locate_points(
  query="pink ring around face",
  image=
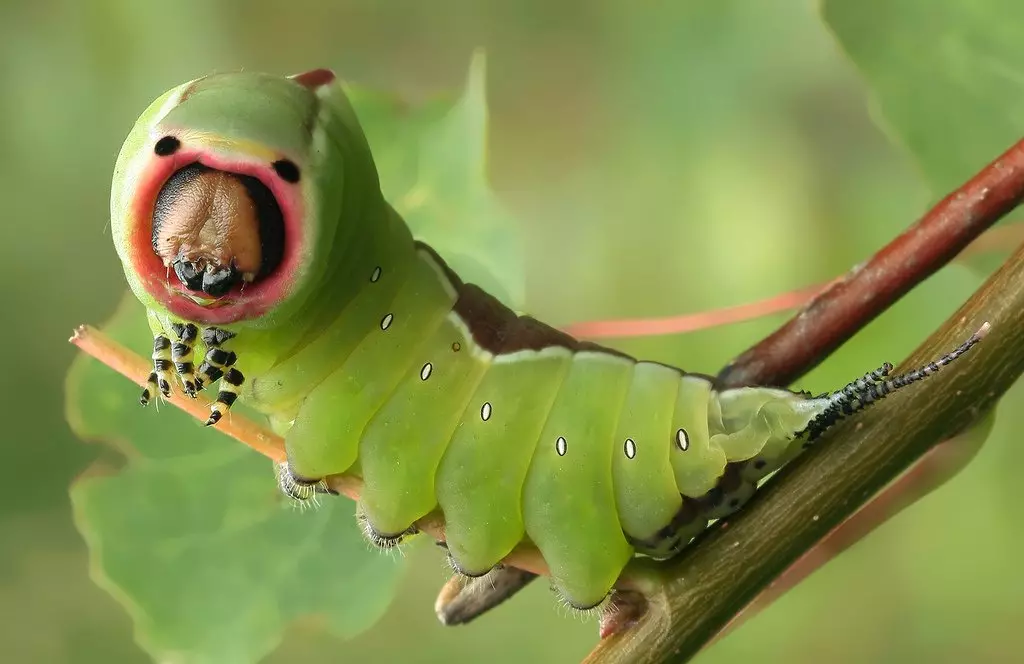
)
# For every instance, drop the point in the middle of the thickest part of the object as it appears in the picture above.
(251, 301)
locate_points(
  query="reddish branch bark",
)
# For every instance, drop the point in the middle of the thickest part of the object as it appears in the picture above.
(850, 303)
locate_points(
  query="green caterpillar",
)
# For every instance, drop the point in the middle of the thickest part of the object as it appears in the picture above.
(248, 216)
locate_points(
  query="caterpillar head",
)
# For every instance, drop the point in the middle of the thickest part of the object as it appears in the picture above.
(221, 190)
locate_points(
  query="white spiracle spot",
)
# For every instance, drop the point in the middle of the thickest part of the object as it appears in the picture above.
(376, 274)
(386, 322)
(682, 440)
(629, 447)
(425, 371)
(485, 411)
(561, 446)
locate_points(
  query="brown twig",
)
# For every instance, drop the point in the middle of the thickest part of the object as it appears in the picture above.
(938, 466)
(839, 311)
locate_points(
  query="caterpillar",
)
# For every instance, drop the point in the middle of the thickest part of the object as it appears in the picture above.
(248, 216)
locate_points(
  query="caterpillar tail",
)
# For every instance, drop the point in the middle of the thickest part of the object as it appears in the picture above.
(877, 384)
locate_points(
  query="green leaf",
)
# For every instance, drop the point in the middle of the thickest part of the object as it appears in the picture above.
(192, 536)
(947, 75)
(433, 169)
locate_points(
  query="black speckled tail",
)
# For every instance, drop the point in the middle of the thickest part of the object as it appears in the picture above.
(871, 387)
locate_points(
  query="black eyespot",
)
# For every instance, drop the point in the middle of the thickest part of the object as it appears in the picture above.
(287, 170)
(166, 146)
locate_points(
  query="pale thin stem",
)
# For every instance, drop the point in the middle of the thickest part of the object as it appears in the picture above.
(136, 369)
(992, 241)
(132, 366)
(649, 327)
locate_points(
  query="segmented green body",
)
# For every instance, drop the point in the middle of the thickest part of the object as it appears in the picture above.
(371, 357)
(586, 452)
(442, 398)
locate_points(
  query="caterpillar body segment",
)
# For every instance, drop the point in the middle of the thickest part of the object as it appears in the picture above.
(387, 263)
(645, 459)
(697, 463)
(481, 475)
(402, 445)
(568, 497)
(372, 357)
(364, 374)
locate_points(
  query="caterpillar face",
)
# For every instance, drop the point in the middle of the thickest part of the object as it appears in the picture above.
(216, 230)
(213, 219)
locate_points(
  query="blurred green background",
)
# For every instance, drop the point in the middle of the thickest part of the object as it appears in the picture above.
(661, 158)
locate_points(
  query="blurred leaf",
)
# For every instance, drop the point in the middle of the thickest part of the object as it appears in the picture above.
(948, 76)
(432, 163)
(193, 537)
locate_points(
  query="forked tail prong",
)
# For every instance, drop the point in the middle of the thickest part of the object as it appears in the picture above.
(876, 385)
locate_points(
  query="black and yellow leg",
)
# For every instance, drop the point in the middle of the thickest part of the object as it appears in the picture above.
(230, 385)
(182, 355)
(217, 359)
(160, 378)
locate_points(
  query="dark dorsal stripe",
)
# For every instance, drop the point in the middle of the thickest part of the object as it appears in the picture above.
(499, 330)
(528, 333)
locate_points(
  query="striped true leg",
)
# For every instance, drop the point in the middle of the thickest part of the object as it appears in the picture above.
(182, 352)
(219, 363)
(160, 378)
(217, 359)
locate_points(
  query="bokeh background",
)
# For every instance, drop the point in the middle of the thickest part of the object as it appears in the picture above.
(660, 158)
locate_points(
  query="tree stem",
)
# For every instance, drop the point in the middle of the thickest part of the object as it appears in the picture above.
(714, 580)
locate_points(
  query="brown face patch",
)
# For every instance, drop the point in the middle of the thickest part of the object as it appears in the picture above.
(217, 229)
